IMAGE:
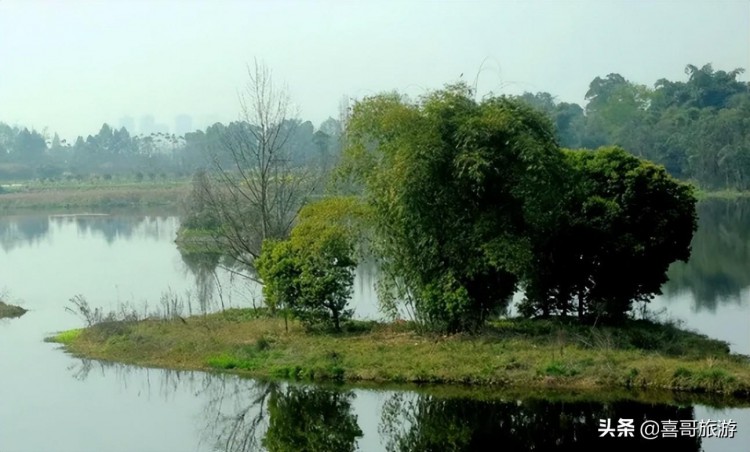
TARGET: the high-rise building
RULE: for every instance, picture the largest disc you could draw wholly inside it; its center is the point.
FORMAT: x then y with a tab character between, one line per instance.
147	125
160	127
183	124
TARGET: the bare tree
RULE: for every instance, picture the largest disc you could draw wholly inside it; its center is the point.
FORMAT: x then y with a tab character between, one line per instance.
256	189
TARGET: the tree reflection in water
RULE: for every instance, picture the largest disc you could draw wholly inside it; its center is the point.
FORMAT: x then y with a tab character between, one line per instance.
241	415
417	422
309	418
717	272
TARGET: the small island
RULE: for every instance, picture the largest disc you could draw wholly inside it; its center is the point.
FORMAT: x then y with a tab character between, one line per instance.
10	311
510	353
462	203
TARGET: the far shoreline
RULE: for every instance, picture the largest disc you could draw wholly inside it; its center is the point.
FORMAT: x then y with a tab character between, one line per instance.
9	311
76	196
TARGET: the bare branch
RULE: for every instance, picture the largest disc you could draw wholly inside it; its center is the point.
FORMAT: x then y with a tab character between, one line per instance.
256	189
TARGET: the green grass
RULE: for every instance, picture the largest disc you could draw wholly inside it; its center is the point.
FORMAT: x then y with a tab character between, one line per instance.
512	353
721	194
65	337
10	311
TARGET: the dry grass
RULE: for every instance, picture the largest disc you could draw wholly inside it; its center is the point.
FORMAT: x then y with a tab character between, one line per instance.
92	195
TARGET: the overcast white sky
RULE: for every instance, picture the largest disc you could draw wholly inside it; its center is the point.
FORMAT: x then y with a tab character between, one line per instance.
69	66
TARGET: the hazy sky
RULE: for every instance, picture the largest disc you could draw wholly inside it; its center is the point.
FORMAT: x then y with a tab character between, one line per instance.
69	66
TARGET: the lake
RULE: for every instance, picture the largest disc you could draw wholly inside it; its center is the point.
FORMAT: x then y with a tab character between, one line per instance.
51	401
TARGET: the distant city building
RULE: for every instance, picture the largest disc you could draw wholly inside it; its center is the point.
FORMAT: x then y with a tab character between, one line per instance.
205	121
183	124
147	125
160	127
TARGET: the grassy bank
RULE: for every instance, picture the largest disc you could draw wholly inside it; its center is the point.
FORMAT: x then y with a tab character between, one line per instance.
9	311
512	353
100	194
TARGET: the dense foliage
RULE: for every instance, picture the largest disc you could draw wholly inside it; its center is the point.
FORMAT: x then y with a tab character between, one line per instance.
312	272
697	129
455	188
471	199
624	222
31	154
467	200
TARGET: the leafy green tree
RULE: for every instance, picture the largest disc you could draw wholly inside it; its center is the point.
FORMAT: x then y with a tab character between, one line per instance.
312	272
542	101
570	124
568	118
625	221
29	146
616	113
309	419
279	269
707	88
7	138
455	186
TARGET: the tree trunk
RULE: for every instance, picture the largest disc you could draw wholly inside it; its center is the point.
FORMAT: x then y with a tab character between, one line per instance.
336	325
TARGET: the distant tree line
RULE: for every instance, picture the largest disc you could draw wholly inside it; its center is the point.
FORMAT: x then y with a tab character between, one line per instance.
30	154
698	129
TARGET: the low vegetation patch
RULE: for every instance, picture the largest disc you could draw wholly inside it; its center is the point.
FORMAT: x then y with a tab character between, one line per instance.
509	353
93	194
200	241
9	310
65	337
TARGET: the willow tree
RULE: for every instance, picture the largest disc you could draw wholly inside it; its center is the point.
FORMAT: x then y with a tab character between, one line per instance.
457	188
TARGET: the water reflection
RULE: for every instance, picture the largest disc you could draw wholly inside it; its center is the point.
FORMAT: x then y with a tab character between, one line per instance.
719	268
18	230
114	227
427	423
215	292
203	267
132	258
239	415
22	230
718	272
309	418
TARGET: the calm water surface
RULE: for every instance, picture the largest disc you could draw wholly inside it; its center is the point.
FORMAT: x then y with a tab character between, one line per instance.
50	401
